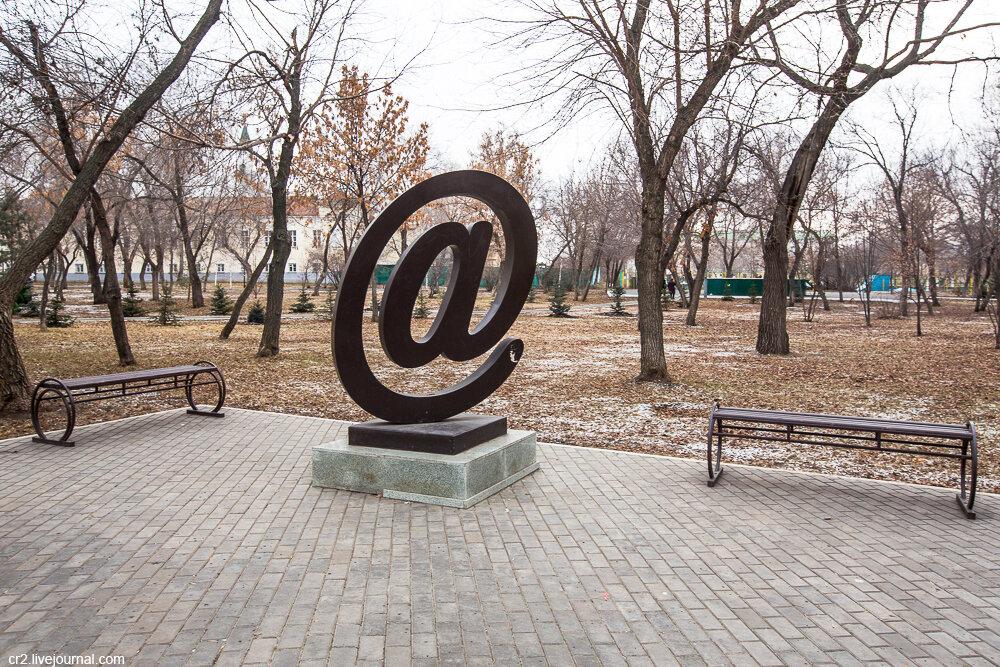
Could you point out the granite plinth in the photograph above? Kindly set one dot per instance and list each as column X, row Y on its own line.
column 453, row 480
column 450, row 436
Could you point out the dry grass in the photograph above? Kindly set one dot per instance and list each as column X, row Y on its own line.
column 575, row 383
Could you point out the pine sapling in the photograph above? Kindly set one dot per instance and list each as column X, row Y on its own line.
column 421, row 310
column 256, row 313
column 557, row 302
column 221, row 303
column 55, row 318
column 131, row 302
column 166, row 314
column 303, row 304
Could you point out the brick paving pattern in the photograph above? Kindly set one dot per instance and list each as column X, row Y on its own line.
column 183, row 541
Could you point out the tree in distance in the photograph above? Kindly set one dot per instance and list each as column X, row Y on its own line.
column 166, row 314
column 221, row 303
column 55, row 318
column 303, row 304
column 131, row 303
column 256, row 313
column 557, row 302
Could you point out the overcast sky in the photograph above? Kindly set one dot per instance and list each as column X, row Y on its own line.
column 457, row 83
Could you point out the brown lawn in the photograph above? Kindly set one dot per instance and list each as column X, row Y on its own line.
column 575, row 383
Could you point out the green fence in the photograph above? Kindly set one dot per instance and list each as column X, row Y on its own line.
column 383, row 271
column 742, row 286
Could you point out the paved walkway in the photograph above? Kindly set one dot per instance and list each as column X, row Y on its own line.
column 171, row 539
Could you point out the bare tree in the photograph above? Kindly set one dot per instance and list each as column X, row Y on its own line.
column 657, row 67
column 286, row 82
column 22, row 47
column 898, row 37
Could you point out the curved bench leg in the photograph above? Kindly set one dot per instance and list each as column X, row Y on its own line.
column 714, row 469
column 220, row 382
column 967, row 483
column 66, row 396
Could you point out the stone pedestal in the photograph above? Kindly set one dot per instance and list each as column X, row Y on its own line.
column 455, row 480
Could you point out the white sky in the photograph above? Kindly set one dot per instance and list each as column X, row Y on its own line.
column 456, row 84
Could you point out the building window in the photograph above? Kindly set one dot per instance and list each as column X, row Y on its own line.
column 79, row 268
column 267, row 239
column 292, row 267
column 245, row 238
column 173, row 268
column 100, row 269
column 294, row 237
column 220, row 268
column 317, row 238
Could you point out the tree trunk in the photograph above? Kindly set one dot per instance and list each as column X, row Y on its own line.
column 649, row 279
column 681, row 294
column 112, row 291
column 772, row 327
column 126, row 268
column 45, row 292
column 16, row 386
column 706, row 237
column 88, row 246
column 282, row 248
column 373, row 284
column 251, row 282
column 142, row 273
column 64, row 271
column 194, row 279
column 772, row 331
column 326, row 264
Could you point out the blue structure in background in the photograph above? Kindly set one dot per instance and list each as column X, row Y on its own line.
column 880, row 283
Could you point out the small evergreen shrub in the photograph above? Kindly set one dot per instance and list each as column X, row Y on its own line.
column 55, row 318
column 617, row 308
column 557, row 302
column 752, row 293
column 325, row 309
column 166, row 314
column 421, row 310
column 256, row 313
column 23, row 298
column 303, row 304
column 132, row 303
column 221, row 303
column 666, row 301
column 727, row 292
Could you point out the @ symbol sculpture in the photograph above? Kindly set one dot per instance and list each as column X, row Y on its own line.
column 449, row 334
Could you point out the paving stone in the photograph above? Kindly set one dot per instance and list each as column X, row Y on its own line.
column 177, row 540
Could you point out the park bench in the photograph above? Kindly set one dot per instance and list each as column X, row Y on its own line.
column 70, row 392
column 947, row 441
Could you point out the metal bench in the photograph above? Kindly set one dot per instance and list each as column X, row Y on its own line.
column 100, row 387
column 947, row 441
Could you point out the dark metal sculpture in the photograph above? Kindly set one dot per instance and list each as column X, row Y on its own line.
column 449, row 335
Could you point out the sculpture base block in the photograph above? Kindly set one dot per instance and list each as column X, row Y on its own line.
column 450, row 436
column 454, row 480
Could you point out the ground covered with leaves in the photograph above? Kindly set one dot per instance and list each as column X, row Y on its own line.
column 575, row 383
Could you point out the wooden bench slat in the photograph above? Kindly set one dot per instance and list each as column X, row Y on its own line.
column 132, row 376
column 872, row 424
